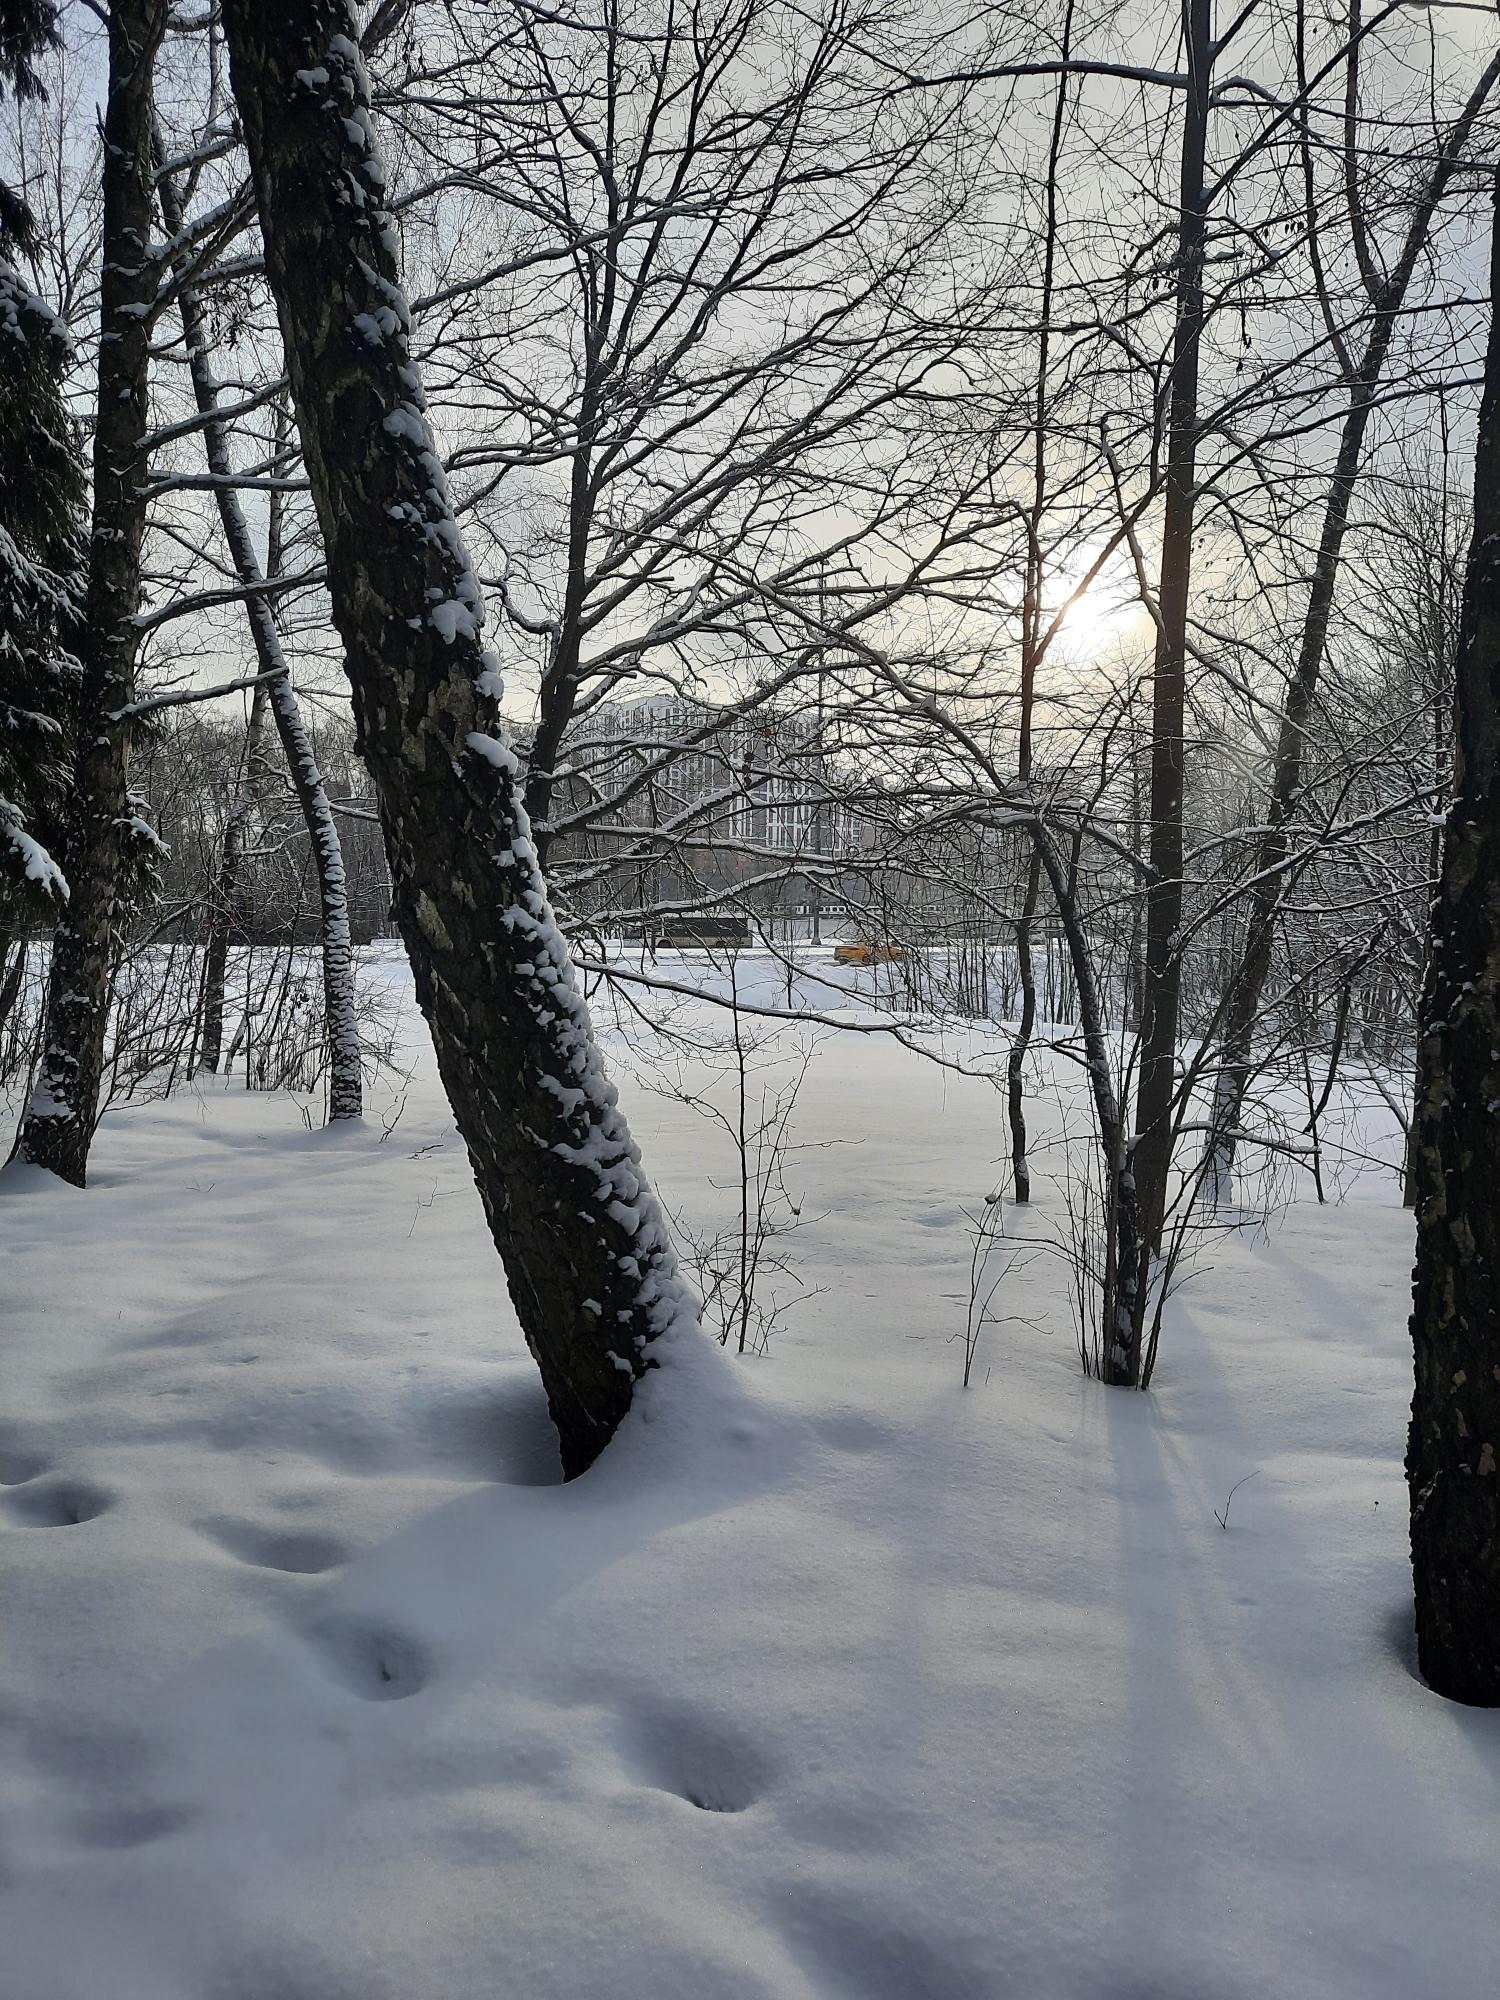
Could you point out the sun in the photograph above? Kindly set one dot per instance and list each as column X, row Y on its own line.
column 1097, row 613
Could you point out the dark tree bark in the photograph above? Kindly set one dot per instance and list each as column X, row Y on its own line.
column 584, row 1243
column 1157, row 1091
column 1125, row 1251
column 1032, row 621
column 1267, row 872
column 345, row 1075
column 1453, row 1454
column 1015, row 1068
column 58, row 1126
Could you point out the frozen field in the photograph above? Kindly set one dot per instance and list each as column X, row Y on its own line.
column 831, row 1681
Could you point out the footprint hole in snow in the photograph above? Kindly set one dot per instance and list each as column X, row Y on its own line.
column 701, row 1759
column 298, row 1551
column 60, row 1503
column 375, row 1661
column 17, row 1465
column 502, row 1432
column 715, row 1803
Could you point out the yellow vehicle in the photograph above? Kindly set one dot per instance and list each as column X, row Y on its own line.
column 867, row 954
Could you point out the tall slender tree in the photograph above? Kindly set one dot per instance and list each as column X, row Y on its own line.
column 1453, row 1456
column 1032, row 629
column 58, row 1127
column 345, row 1082
column 1157, row 1090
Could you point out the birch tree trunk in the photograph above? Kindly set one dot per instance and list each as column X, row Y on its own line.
column 1453, row 1455
column 584, row 1242
column 57, row 1127
column 345, row 1079
column 226, row 885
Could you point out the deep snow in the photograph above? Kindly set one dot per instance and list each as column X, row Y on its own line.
column 831, row 1679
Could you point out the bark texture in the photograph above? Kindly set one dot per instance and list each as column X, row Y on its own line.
column 57, row 1128
column 1453, row 1455
column 584, row 1243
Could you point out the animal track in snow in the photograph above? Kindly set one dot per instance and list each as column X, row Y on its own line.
column 680, row 1749
column 370, row 1658
column 18, row 1464
column 299, row 1551
column 55, row 1503
column 503, row 1433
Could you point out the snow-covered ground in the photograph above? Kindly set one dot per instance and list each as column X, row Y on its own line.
column 831, row 1681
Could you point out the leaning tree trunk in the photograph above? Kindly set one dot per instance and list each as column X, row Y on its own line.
column 1268, row 869
column 57, row 1128
column 1156, row 1093
column 1453, row 1456
column 584, row 1242
column 345, row 1079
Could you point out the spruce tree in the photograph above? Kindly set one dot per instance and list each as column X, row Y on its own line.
column 41, row 532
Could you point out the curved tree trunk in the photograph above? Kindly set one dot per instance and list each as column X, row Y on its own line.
column 584, row 1242
column 58, row 1126
column 1453, row 1456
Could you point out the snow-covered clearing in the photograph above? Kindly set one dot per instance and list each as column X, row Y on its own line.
column 831, row 1681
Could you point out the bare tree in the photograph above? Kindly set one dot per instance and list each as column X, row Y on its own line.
column 344, row 1079
column 585, row 1246
column 1156, row 1092
column 1364, row 373
column 58, row 1126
